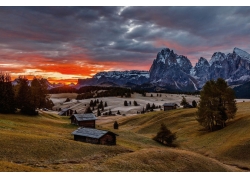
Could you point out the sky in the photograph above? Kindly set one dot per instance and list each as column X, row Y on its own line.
column 63, row 43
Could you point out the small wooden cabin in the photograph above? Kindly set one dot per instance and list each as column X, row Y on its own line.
column 66, row 112
column 95, row 136
column 169, row 106
column 84, row 120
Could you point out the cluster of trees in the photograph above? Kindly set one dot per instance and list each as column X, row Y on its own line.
column 217, row 105
column 97, row 91
column 93, row 103
column 62, row 89
column 186, row 104
column 126, row 103
column 24, row 96
column 150, row 108
column 86, row 95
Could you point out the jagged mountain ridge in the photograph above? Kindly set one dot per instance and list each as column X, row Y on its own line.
column 175, row 72
column 119, row 78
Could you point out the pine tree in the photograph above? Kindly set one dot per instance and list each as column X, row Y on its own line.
column 116, row 126
column 24, row 98
column 165, row 136
column 217, row 104
column 194, row 103
column 105, row 104
column 125, row 103
column 143, row 111
column 7, row 96
column 183, row 101
column 39, row 93
column 88, row 110
column 91, row 103
column 98, row 113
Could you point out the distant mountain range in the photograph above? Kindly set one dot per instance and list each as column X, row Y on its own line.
column 174, row 72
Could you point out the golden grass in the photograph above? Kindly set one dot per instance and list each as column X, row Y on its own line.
column 45, row 143
column 162, row 160
column 229, row 144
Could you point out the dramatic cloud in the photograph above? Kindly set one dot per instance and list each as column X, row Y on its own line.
column 77, row 42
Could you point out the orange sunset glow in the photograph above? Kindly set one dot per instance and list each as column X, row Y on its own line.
column 64, row 44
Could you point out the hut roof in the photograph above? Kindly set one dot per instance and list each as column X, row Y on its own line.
column 64, row 110
column 90, row 132
column 169, row 104
column 84, row 117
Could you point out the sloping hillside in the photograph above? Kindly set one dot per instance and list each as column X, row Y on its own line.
column 45, row 143
column 229, row 145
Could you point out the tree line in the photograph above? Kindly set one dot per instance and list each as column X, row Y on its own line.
column 97, row 91
column 25, row 96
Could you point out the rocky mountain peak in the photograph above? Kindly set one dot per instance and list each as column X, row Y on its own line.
column 202, row 62
column 241, row 53
column 217, row 57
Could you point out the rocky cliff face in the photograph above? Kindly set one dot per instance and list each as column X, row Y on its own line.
column 176, row 73
column 172, row 71
column 233, row 67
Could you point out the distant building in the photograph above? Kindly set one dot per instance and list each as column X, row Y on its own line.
column 169, row 106
column 95, row 136
column 66, row 112
column 84, row 120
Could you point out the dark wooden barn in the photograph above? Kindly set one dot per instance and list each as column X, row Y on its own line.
column 66, row 112
column 84, row 120
column 169, row 106
column 95, row 136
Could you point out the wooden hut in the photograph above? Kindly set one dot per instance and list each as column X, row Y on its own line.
column 95, row 136
column 66, row 112
column 84, row 120
column 169, row 106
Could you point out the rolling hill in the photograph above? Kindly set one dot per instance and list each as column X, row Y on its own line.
column 45, row 143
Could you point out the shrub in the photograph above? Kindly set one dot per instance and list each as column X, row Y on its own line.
column 165, row 136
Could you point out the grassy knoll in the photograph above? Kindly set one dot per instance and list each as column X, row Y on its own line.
column 229, row 145
column 45, row 143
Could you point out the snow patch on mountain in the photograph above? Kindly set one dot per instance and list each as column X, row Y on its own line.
column 241, row 53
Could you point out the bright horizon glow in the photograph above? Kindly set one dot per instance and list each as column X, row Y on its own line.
column 65, row 43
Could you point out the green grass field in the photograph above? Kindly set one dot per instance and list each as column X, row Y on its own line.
column 45, row 143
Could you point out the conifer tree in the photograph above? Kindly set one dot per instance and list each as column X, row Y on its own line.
column 88, row 110
column 24, row 98
column 118, row 112
column 98, row 113
column 91, row 103
column 183, row 101
column 165, row 136
column 194, row 103
column 217, row 104
column 7, row 96
column 116, row 125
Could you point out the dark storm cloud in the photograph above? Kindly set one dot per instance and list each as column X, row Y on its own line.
column 132, row 34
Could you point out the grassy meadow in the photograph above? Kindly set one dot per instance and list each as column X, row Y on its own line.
column 45, row 143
